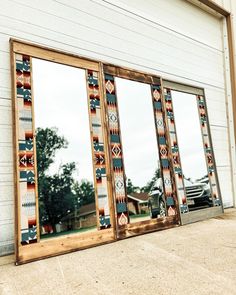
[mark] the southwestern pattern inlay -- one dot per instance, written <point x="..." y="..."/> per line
<point x="208" y="150"/>
<point x="163" y="150"/>
<point x="98" y="149"/>
<point x="26" y="166"/>
<point x="116" y="151"/>
<point x="175" y="152"/>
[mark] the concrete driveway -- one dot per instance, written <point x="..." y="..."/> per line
<point x="195" y="259"/>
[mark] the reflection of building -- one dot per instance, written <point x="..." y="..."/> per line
<point x="87" y="216"/>
<point x="83" y="217"/>
<point x="138" y="203"/>
<point x="181" y="63"/>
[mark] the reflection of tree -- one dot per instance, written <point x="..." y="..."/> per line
<point x="149" y="186"/>
<point x="131" y="188"/>
<point x="59" y="194"/>
<point x="145" y="189"/>
<point x="84" y="192"/>
<point x="47" y="142"/>
<point x="55" y="195"/>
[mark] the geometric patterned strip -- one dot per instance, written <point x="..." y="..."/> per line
<point x="99" y="158"/>
<point x="26" y="147"/>
<point x="211" y="168"/>
<point x="169" y="193"/>
<point x="178" y="175"/>
<point x="116" y="152"/>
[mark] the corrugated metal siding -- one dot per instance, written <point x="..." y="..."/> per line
<point x="172" y="38"/>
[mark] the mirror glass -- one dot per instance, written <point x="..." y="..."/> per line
<point x="140" y="151"/>
<point x="64" y="156"/>
<point x="191" y="150"/>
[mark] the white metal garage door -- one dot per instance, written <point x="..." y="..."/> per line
<point x="174" y="39"/>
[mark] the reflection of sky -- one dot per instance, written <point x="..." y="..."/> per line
<point x="189" y="135"/>
<point x="60" y="100"/>
<point x="137" y="130"/>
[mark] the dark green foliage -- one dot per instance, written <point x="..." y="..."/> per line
<point x="47" y="143"/>
<point x="145" y="189"/>
<point x="59" y="194"/>
<point x="84" y="192"/>
<point x="129" y="186"/>
<point x="149" y="186"/>
<point x="55" y="195"/>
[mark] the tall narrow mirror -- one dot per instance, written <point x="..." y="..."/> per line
<point x="191" y="149"/>
<point x="140" y="152"/>
<point x="64" y="156"/>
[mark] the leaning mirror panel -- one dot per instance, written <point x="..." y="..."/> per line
<point x="192" y="155"/>
<point x="144" y="188"/>
<point x="64" y="156"/>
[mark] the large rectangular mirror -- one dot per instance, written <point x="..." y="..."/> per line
<point x="144" y="187"/>
<point x="191" y="149"/>
<point x="64" y="155"/>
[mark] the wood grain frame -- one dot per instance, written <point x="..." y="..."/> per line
<point x="141" y="227"/>
<point x="71" y="243"/>
<point x="193" y="216"/>
<point x="67" y="243"/>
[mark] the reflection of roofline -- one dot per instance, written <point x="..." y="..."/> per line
<point x="86" y="213"/>
<point x="138" y="200"/>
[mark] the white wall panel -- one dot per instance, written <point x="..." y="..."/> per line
<point x="5" y="93"/>
<point x="217" y="113"/>
<point x="7" y="237"/>
<point x="6" y="217"/>
<point x="6" y="192"/>
<point x="4" y="58"/>
<point x="5" y="114"/>
<point x="5" y="77"/>
<point x="6" y="212"/>
<point x="5" y="101"/>
<point x="6" y="154"/>
<point x="219" y="134"/>
<point x="6" y="134"/>
<point x="173" y="38"/>
<point x="158" y="52"/>
<point x="224" y="173"/>
<point x="171" y="14"/>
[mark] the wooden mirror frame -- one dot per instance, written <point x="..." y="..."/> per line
<point x="124" y="228"/>
<point x="217" y="209"/>
<point x="120" y="228"/>
<point x="28" y="246"/>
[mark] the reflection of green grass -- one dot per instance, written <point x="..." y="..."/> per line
<point x="138" y="215"/>
<point x="69" y="232"/>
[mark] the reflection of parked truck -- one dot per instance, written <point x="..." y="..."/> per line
<point x="198" y="196"/>
<point x="156" y="202"/>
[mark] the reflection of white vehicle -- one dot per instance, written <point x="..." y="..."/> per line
<point x="198" y="195"/>
<point x="156" y="202"/>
